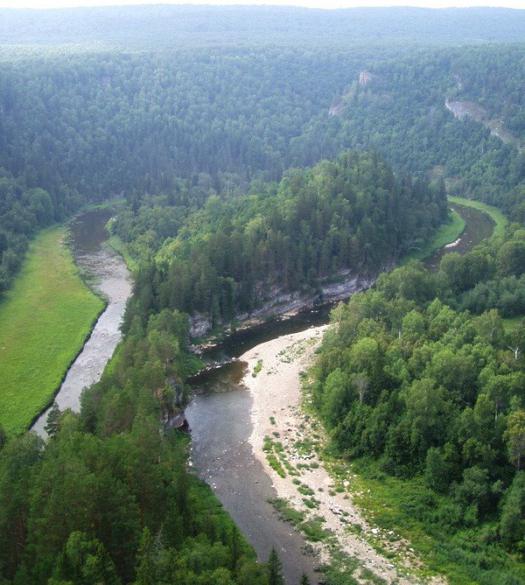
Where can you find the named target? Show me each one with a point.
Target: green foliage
(440, 401)
(109, 500)
(44, 321)
(348, 215)
(200, 142)
(275, 575)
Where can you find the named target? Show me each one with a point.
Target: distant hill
(146, 27)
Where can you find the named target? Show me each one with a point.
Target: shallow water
(220, 423)
(109, 276)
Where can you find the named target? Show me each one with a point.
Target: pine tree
(53, 420)
(146, 566)
(275, 569)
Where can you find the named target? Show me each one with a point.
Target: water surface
(220, 422)
(108, 275)
(478, 227)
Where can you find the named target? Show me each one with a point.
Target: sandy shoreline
(283, 432)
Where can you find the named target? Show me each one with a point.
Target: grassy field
(44, 321)
(497, 216)
(447, 233)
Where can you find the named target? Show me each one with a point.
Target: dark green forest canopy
(201, 141)
(436, 394)
(137, 122)
(352, 214)
(195, 123)
(146, 27)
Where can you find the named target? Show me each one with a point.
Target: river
(220, 420)
(108, 275)
(220, 413)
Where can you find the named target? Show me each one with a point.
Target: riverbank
(468, 224)
(108, 277)
(499, 219)
(446, 234)
(287, 442)
(45, 320)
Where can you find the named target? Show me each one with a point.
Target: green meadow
(447, 233)
(45, 319)
(497, 216)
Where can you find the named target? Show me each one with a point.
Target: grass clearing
(45, 319)
(496, 215)
(449, 232)
(511, 324)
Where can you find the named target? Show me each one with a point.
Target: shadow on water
(220, 422)
(479, 226)
(88, 231)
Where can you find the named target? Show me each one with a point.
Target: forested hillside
(349, 215)
(295, 151)
(191, 124)
(399, 108)
(434, 395)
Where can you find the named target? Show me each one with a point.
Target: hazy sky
(308, 3)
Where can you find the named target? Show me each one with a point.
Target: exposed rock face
(276, 302)
(365, 77)
(340, 103)
(199, 325)
(496, 126)
(464, 109)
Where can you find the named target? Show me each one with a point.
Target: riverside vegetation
(411, 385)
(44, 320)
(217, 154)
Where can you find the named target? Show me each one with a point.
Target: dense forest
(187, 125)
(399, 109)
(108, 499)
(434, 393)
(267, 164)
(348, 215)
(23, 211)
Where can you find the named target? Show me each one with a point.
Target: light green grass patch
(511, 324)
(45, 319)
(496, 215)
(449, 232)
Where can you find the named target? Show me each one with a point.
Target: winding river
(220, 420)
(220, 413)
(107, 273)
